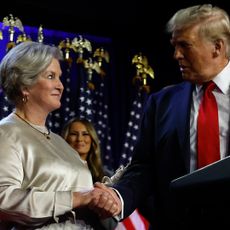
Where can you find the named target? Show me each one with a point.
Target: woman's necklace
(47, 135)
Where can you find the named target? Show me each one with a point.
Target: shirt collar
(222, 80)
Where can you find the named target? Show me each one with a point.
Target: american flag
(85, 101)
(133, 127)
(135, 220)
(68, 100)
(102, 124)
(93, 106)
(5, 107)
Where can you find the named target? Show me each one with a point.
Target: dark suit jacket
(161, 155)
(162, 152)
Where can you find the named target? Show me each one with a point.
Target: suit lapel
(183, 104)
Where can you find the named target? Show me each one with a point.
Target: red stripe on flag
(127, 222)
(133, 222)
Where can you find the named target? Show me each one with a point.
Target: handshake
(102, 199)
(109, 204)
(106, 202)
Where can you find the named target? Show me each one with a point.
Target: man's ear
(219, 47)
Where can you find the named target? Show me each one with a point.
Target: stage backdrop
(92, 88)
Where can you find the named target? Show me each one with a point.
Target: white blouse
(37, 175)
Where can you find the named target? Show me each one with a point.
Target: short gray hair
(22, 64)
(214, 22)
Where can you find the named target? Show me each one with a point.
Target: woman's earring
(24, 99)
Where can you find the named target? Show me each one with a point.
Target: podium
(202, 198)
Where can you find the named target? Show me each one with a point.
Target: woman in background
(82, 136)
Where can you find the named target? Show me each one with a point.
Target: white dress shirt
(221, 93)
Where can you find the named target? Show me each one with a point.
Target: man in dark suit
(167, 144)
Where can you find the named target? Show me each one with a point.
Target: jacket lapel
(183, 105)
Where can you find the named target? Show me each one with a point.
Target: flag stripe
(135, 221)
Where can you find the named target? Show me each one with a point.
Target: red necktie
(208, 143)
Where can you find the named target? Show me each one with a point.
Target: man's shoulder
(181, 85)
(173, 88)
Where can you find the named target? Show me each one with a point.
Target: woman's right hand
(99, 200)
